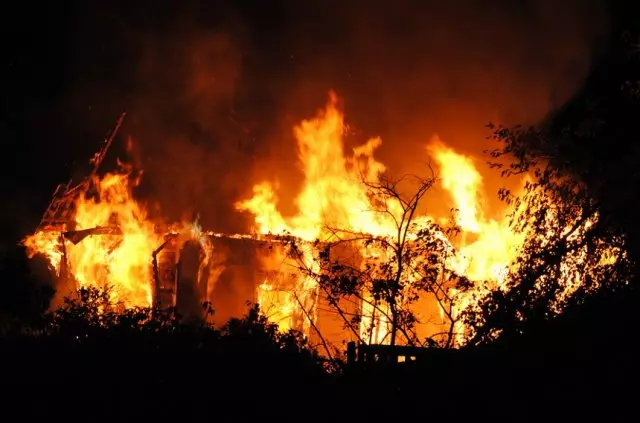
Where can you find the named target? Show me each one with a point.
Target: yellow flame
(120, 260)
(333, 201)
(334, 197)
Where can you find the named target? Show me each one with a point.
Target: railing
(365, 354)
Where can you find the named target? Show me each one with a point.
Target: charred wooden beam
(77, 236)
(163, 278)
(59, 212)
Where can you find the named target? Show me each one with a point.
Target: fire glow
(333, 195)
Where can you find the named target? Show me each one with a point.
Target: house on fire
(242, 272)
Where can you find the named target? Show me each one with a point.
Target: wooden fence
(364, 354)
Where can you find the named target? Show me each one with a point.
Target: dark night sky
(194, 77)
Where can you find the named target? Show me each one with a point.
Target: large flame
(335, 196)
(117, 260)
(122, 261)
(334, 200)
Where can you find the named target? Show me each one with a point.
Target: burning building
(96, 234)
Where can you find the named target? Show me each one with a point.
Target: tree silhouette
(26, 286)
(578, 208)
(385, 275)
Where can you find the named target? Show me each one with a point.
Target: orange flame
(335, 197)
(333, 201)
(121, 261)
(118, 260)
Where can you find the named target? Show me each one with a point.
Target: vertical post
(351, 353)
(156, 281)
(203, 278)
(362, 356)
(64, 271)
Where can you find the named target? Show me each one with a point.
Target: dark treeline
(84, 362)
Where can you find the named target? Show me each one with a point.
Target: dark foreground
(116, 382)
(86, 366)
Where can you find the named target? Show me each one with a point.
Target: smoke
(421, 68)
(449, 65)
(174, 70)
(184, 125)
(213, 89)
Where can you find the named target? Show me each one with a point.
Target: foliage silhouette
(578, 208)
(26, 296)
(388, 274)
(90, 336)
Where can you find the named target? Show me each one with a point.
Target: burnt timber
(242, 272)
(59, 214)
